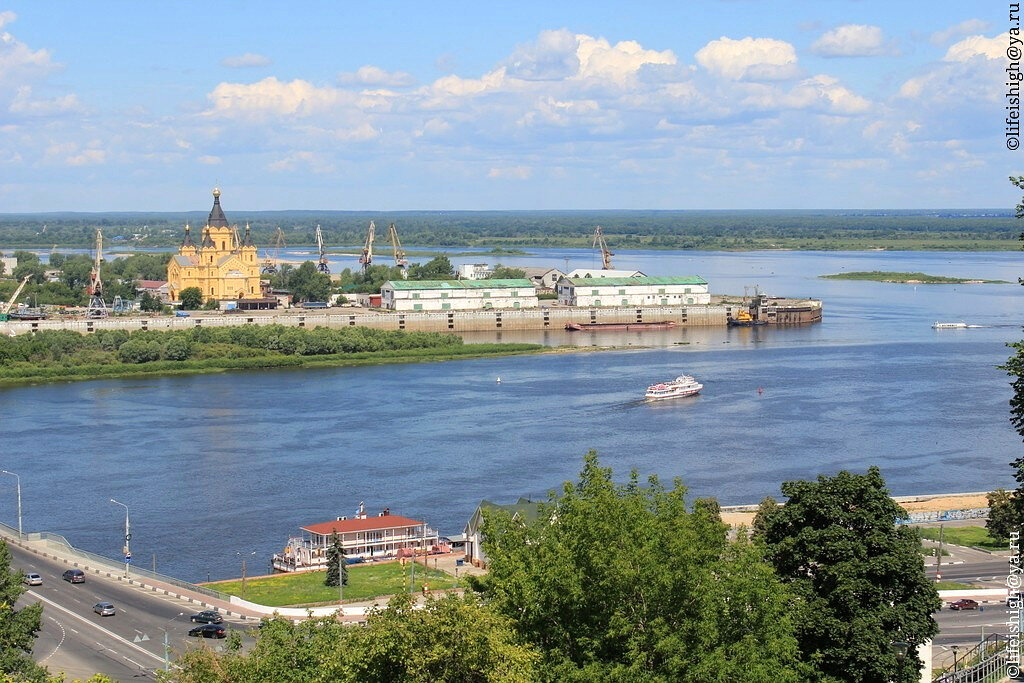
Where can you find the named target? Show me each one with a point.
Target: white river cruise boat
(950, 326)
(681, 386)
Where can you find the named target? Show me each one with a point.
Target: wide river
(217, 466)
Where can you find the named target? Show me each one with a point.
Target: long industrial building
(633, 291)
(458, 295)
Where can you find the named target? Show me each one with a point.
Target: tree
(437, 268)
(18, 627)
(858, 576)
(621, 582)
(1002, 516)
(505, 273)
(307, 284)
(191, 298)
(336, 563)
(150, 303)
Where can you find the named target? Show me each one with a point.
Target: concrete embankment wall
(432, 321)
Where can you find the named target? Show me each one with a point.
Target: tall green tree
(858, 576)
(506, 273)
(191, 298)
(307, 284)
(621, 582)
(18, 627)
(437, 268)
(337, 570)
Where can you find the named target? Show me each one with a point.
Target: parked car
(32, 579)
(963, 603)
(104, 609)
(207, 616)
(181, 314)
(208, 631)
(74, 576)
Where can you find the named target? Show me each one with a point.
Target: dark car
(207, 616)
(208, 631)
(963, 603)
(74, 576)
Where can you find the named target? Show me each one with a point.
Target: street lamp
(167, 643)
(19, 499)
(900, 649)
(127, 536)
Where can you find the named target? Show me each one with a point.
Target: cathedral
(222, 266)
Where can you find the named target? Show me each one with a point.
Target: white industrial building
(545, 278)
(598, 272)
(457, 295)
(474, 271)
(633, 291)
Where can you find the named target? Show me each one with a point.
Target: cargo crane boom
(367, 257)
(14, 297)
(606, 256)
(322, 263)
(396, 245)
(271, 256)
(97, 306)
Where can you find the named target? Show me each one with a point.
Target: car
(208, 631)
(181, 314)
(74, 576)
(104, 609)
(33, 579)
(963, 603)
(207, 616)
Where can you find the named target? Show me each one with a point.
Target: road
(128, 646)
(990, 572)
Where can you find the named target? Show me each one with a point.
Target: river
(216, 466)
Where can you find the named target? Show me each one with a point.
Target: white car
(33, 579)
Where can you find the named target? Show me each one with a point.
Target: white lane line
(97, 626)
(129, 659)
(63, 635)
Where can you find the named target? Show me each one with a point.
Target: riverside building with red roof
(383, 536)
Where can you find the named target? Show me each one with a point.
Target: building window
(487, 295)
(689, 299)
(664, 302)
(625, 302)
(593, 292)
(661, 291)
(515, 292)
(597, 302)
(415, 295)
(515, 304)
(444, 295)
(686, 291)
(445, 307)
(622, 291)
(417, 307)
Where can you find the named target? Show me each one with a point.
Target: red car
(963, 603)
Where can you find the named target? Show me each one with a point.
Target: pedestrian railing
(987, 662)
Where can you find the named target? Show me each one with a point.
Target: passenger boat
(662, 325)
(950, 326)
(681, 386)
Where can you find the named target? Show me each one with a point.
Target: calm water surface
(212, 466)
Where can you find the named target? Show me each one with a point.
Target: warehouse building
(457, 295)
(633, 291)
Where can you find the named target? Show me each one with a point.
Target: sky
(137, 106)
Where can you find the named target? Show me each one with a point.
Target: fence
(987, 662)
(944, 516)
(66, 550)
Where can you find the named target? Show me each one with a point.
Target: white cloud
(553, 56)
(749, 59)
(513, 172)
(618, 63)
(7, 17)
(852, 40)
(376, 77)
(19, 62)
(209, 159)
(244, 61)
(964, 28)
(978, 46)
(25, 105)
(271, 96)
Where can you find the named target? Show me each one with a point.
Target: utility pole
(20, 536)
(127, 537)
(938, 558)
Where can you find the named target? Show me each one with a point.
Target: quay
(775, 311)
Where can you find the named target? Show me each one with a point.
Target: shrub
(139, 351)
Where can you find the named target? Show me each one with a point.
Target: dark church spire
(217, 218)
(188, 237)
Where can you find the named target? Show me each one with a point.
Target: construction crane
(606, 256)
(271, 256)
(396, 245)
(97, 306)
(367, 257)
(4, 314)
(322, 263)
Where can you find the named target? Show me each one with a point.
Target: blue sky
(528, 105)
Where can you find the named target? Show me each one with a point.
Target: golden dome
(216, 192)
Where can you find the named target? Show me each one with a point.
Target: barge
(662, 325)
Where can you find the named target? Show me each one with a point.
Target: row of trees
(64, 346)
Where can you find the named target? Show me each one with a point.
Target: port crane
(97, 306)
(367, 256)
(322, 263)
(606, 256)
(5, 313)
(396, 245)
(270, 257)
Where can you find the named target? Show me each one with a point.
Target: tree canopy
(18, 627)
(858, 577)
(623, 582)
(191, 298)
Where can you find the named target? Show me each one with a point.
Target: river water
(213, 466)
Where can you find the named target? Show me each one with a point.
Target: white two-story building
(457, 295)
(633, 291)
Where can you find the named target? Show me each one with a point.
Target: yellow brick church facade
(222, 266)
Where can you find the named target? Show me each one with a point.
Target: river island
(910, 278)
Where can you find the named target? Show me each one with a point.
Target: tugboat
(744, 319)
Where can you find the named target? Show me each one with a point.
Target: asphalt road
(128, 646)
(989, 572)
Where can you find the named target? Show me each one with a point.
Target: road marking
(97, 626)
(63, 635)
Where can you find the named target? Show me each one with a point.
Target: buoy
(498, 380)
(760, 390)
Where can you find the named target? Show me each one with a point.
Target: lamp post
(19, 499)
(127, 536)
(900, 649)
(239, 553)
(167, 643)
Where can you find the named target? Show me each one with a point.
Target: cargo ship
(578, 327)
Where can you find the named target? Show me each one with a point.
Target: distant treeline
(943, 229)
